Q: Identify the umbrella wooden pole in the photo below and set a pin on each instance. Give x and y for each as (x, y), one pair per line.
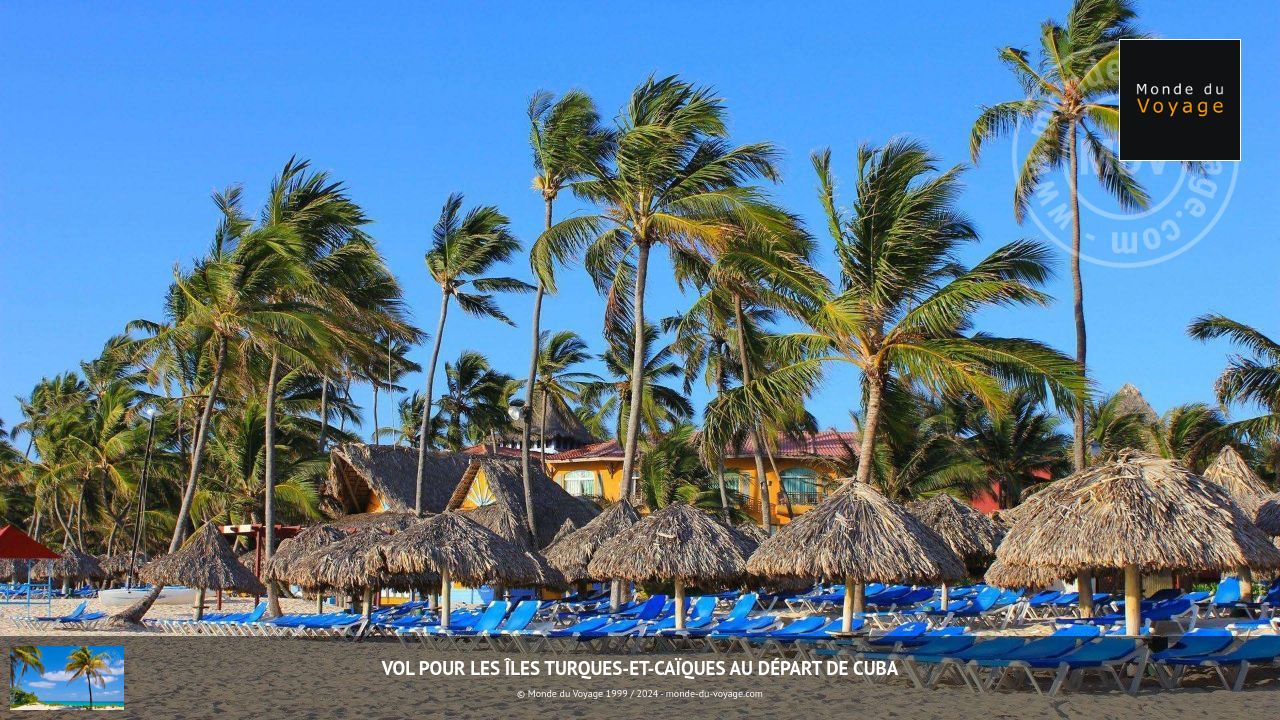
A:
(1084, 584)
(200, 605)
(368, 602)
(319, 603)
(1132, 600)
(946, 597)
(615, 595)
(1246, 584)
(679, 605)
(445, 586)
(847, 623)
(859, 596)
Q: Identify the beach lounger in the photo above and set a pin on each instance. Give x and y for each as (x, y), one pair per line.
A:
(519, 620)
(533, 639)
(1202, 641)
(939, 664)
(1180, 611)
(1264, 649)
(488, 620)
(1105, 655)
(1224, 597)
(1059, 643)
(937, 646)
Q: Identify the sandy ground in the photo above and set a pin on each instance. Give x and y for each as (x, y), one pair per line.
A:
(198, 677)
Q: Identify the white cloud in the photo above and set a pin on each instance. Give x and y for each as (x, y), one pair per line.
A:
(41, 684)
(59, 675)
(115, 669)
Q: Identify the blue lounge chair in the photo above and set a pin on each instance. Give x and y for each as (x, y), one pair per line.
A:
(1201, 641)
(1225, 596)
(1254, 651)
(521, 616)
(1103, 655)
(492, 616)
(1059, 643)
(531, 640)
(940, 663)
(1180, 611)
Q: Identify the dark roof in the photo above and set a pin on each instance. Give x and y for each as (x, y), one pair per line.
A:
(356, 470)
(560, 422)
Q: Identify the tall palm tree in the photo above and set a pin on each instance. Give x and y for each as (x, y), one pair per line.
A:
(1112, 425)
(1253, 377)
(1192, 433)
(475, 403)
(83, 662)
(662, 407)
(464, 247)
(903, 300)
(23, 658)
(558, 384)
(675, 182)
(384, 372)
(1018, 443)
(568, 141)
(1070, 85)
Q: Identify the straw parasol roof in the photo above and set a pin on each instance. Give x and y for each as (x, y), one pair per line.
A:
(72, 563)
(571, 554)
(390, 521)
(205, 561)
(117, 566)
(1268, 517)
(678, 542)
(504, 522)
(1234, 474)
(344, 565)
(1137, 510)
(860, 535)
(291, 550)
(970, 534)
(15, 570)
(1004, 575)
(470, 552)
(567, 528)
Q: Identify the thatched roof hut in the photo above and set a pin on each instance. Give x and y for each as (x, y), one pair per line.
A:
(291, 550)
(679, 543)
(206, 562)
(1231, 471)
(567, 528)
(1137, 513)
(1129, 401)
(861, 536)
(344, 565)
(1003, 575)
(1268, 517)
(13, 570)
(117, 566)
(970, 534)
(72, 564)
(570, 555)
(457, 548)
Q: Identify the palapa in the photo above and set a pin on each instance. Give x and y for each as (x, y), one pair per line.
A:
(678, 543)
(861, 536)
(572, 553)
(205, 562)
(1138, 513)
(72, 564)
(971, 535)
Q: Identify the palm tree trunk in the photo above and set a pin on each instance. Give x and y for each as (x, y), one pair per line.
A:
(426, 404)
(269, 482)
(89, 681)
(324, 411)
(133, 614)
(724, 493)
(375, 414)
(744, 361)
(869, 421)
(526, 431)
(1077, 287)
(637, 373)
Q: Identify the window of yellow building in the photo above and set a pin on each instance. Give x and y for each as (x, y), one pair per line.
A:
(582, 483)
(801, 485)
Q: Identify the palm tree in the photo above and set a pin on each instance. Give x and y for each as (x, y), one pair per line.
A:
(1018, 443)
(1246, 380)
(475, 403)
(1078, 72)
(1192, 433)
(567, 141)
(675, 182)
(919, 457)
(557, 383)
(464, 247)
(1112, 425)
(903, 300)
(609, 401)
(83, 662)
(385, 371)
(21, 659)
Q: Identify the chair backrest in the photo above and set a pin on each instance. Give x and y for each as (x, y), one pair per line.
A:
(868, 589)
(79, 610)
(1263, 647)
(947, 631)
(1078, 631)
(905, 630)
(1228, 591)
(1203, 641)
(809, 623)
(1070, 598)
(1109, 648)
(1045, 596)
(1165, 594)
(522, 615)
(1050, 646)
(944, 645)
(492, 616)
(1168, 609)
(986, 598)
(703, 607)
(918, 595)
(835, 626)
(743, 607)
(652, 608)
(996, 647)
(588, 625)
(258, 611)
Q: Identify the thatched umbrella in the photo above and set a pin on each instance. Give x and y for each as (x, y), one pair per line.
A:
(1137, 513)
(861, 536)
(567, 528)
(678, 543)
(1268, 518)
(205, 562)
(72, 564)
(293, 549)
(458, 549)
(391, 521)
(344, 566)
(117, 566)
(571, 555)
(14, 570)
(970, 534)
(1234, 474)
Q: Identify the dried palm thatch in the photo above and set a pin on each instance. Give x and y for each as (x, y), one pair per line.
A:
(452, 542)
(678, 542)
(344, 566)
(390, 521)
(504, 522)
(1234, 474)
(571, 555)
(290, 551)
(206, 562)
(13, 570)
(567, 528)
(1136, 511)
(1003, 575)
(1268, 517)
(970, 534)
(72, 564)
(859, 535)
(117, 566)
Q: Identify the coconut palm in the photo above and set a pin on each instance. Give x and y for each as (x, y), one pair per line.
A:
(384, 372)
(83, 662)
(1068, 93)
(23, 658)
(474, 406)
(1192, 433)
(1018, 443)
(1253, 377)
(568, 141)
(463, 248)
(675, 182)
(903, 301)
(608, 401)
(558, 384)
(1112, 424)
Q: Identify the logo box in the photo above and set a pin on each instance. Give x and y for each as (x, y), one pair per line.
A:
(1180, 100)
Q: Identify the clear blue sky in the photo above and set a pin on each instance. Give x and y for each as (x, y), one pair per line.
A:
(56, 683)
(116, 125)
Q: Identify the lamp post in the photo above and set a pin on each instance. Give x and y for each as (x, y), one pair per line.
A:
(150, 413)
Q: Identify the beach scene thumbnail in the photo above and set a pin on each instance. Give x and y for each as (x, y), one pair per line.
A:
(66, 677)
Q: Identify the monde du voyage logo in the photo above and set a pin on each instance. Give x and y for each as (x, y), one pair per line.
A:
(1180, 100)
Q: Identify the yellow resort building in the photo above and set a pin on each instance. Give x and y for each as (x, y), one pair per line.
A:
(804, 471)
